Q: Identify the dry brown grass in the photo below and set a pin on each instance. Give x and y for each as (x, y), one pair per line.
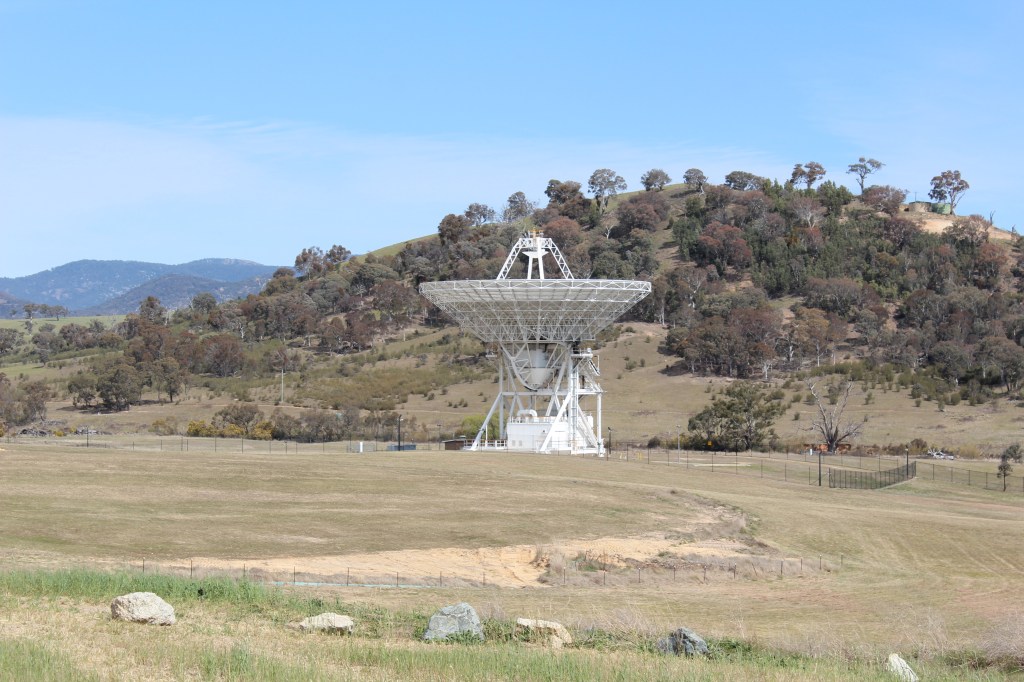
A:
(902, 568)
(653, 399)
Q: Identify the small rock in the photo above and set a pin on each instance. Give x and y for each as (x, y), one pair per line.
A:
(683, 641)
(454, 620)
(900, 668)
(556, 633)
(142, 607)
(331, 623)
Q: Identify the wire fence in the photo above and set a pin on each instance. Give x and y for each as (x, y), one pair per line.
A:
(803, 467)
(148, 443)
(794, 467)
(930, 471)
(870, 480)
(783, 466)
(595, 569)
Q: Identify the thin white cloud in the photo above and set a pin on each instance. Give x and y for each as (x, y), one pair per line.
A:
(59, 169)
(176, 191)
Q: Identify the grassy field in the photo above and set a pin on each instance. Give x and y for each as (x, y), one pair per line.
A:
(19, 323)
(931, 570)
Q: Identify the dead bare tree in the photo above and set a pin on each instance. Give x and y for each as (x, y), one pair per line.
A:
(829, 422)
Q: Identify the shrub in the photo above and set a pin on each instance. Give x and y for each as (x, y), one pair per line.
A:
(231, 431)
(969, 452)
(264, 430)
(164, 427)
(200, 429)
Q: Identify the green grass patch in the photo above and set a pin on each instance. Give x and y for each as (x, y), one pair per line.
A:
(96, 585)
(249, 641)
(28, 661)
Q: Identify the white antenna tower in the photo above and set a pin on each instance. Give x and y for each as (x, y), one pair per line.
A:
(540, 327)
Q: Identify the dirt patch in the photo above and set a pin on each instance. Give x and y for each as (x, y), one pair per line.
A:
(714, 534)
(516, 566)
(936, 223)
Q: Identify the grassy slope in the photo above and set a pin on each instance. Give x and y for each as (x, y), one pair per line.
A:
(650, 399)
(19, 324)
(653, 400)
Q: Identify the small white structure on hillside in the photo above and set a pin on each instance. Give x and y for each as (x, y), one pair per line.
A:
(540, 328)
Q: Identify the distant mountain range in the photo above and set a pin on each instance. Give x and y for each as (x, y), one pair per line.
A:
(112, 287)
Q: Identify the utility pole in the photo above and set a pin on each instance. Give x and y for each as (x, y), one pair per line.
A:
(399, 433)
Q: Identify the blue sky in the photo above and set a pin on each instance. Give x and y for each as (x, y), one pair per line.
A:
(172, 131)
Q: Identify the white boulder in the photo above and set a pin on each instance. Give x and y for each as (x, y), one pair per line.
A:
(557, 635)
(331, 623)
(142, 607)
(900, 669)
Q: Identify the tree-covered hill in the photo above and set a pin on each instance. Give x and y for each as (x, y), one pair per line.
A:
(87, 284)
(177, 291)
(752, 279)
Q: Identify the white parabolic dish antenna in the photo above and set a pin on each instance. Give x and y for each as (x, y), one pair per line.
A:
(540, 326)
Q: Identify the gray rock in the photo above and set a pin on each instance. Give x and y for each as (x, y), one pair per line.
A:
(331, 623)
(683, 641)
(142, 607)
(555, 633)
(900, 669)
(452, 621)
